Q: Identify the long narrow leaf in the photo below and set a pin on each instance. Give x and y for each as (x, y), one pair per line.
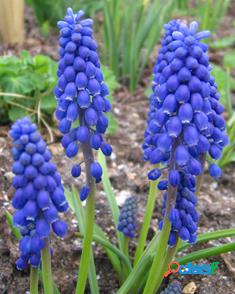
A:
(74, 203)
(206, 253)
(209, 237)
(13, 229)
(111, 198)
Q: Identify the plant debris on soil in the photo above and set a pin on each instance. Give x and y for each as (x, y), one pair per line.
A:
(127, 172)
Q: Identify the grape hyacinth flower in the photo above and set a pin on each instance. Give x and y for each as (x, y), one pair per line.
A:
(173, 288)
(81, 94)
(184, 124)
(127, 218)
(39, 194)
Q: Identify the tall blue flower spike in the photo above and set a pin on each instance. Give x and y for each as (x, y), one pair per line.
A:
(127, 218)
(81, 92)
(184, 123)
(39, 194)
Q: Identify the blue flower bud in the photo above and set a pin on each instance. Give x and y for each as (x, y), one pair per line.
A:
(174, 178)
(82, 134)
(84, 193)
(96, 171)
(215, 170)
(72, 149)
(76, 170)
(95, 141)
(181, 155)
(60, 228)
(154, 174)
(106, 149)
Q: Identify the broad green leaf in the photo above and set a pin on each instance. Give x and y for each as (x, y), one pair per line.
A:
(16, 113)
(229, 59)
(48, 103)
(223, 43)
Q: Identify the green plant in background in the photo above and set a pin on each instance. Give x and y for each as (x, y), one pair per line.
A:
(49, 11)
(182, 4)
(131, 31)
(26, 88)
(228, 85)
(211, 12)
(113, 85)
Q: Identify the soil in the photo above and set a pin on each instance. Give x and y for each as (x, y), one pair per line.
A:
(128, 176)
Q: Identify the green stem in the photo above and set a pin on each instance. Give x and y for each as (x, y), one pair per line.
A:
(158, 261)
(126, 246)
(86, 250)
(147, 221)
(170, 253)
(33, 280)
(89, 220)
(46, 269)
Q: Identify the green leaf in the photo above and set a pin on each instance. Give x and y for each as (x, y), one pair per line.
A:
(223, 43)
(110, 197)
(48, 103)
(205, 237)
(206, 253)
(113, 124)
(15, 113)
(229, 59)
(76, 206)
(13, 229)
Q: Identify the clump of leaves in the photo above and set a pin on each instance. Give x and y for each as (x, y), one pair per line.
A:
(26, 86)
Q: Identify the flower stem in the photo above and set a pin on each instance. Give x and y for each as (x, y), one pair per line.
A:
(46, 269)
(170, 253)
(86, 250)
(33, 280)
(89, 222)
(152, 282)
(147, 220)
(126, 246)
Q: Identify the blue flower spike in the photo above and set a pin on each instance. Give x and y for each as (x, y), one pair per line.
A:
(127, 218)
(173, 288)
(184, 124)
(39, 194)
(81, 93)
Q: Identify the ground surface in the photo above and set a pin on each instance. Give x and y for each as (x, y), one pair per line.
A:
(128, 176)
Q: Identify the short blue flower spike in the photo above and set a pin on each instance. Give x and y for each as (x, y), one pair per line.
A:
(184, 122)
(81, 92)
(173, 288)
(127, 218)
(39, 194)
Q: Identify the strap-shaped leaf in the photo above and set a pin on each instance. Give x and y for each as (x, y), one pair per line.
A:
(205, 237)
(206, 253)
